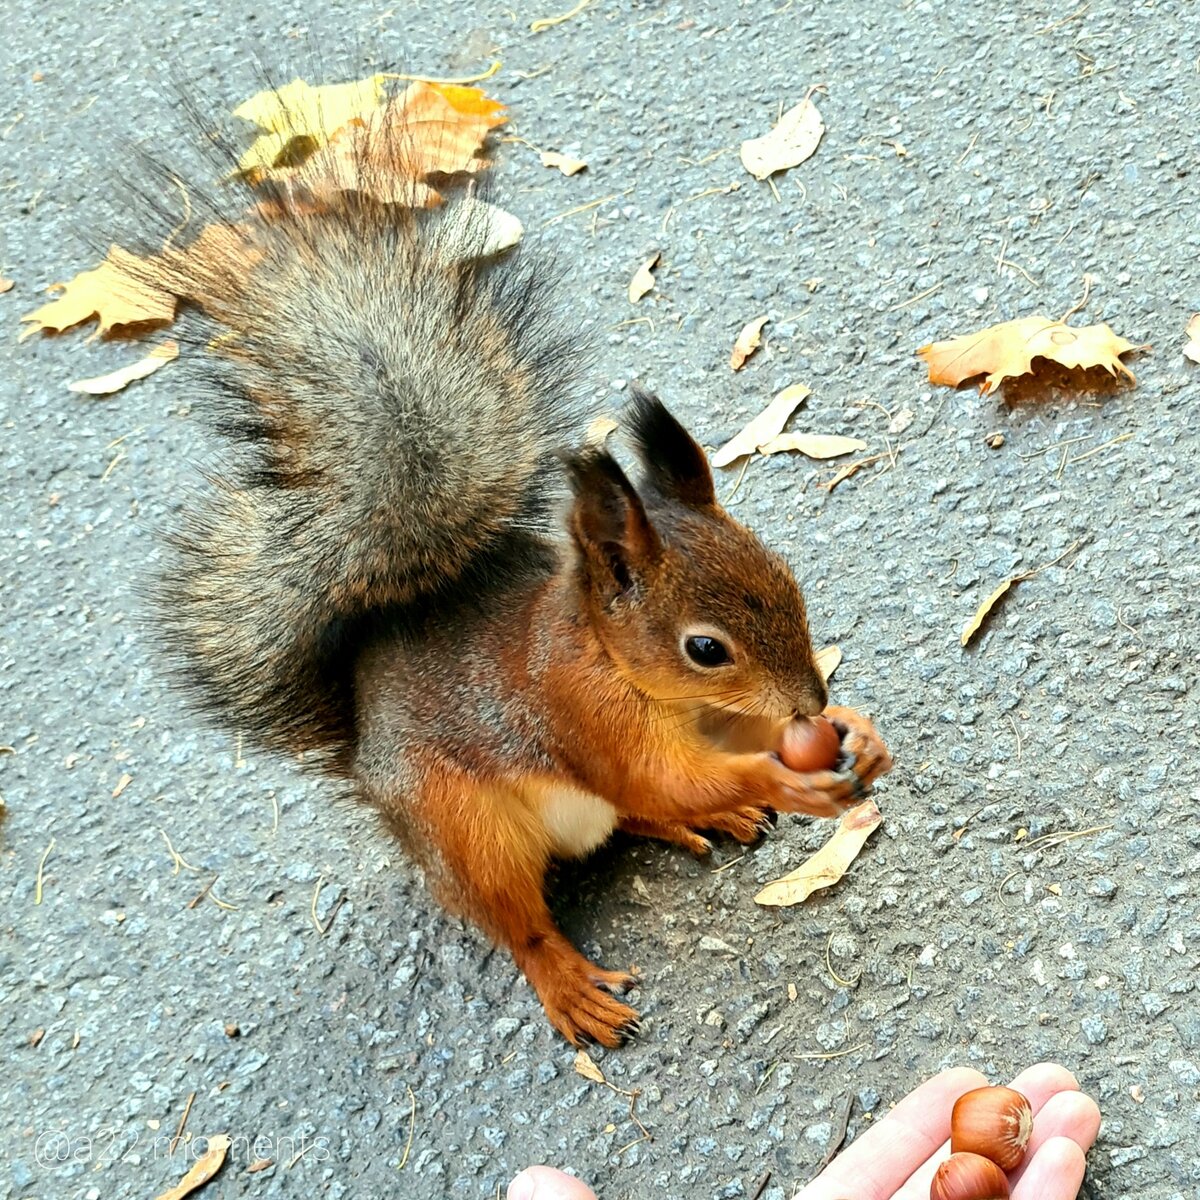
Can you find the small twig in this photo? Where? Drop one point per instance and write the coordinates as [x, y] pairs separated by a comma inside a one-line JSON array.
[[412, 1124], [733, 863], [1088, 280], [187, 1108], [544, 23], [839, 1133], [1047, 840], [761, 1185], [323, 929], [741, 476], [452, 82], [37, 892], [1096, 449], [913, 299], [178, 858], [815, 1057], [846, 983], [1016, 734]]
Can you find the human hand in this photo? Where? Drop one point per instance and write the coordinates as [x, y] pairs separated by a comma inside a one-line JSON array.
[[897, 1158]]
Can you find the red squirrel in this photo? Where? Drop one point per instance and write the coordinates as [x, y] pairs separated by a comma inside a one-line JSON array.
[[414, 569]]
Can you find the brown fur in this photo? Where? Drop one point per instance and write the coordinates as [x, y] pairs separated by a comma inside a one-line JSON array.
[[398, 571]]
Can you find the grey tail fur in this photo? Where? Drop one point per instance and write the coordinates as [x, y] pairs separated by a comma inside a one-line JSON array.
[[394, 396]]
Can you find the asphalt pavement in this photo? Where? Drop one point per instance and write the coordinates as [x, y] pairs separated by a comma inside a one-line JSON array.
[[192, 928]]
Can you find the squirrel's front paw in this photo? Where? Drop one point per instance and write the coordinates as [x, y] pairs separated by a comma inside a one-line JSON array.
[[862, 748], [818, 793]]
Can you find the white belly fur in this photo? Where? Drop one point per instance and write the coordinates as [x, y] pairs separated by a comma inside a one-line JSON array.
[[577, 821]]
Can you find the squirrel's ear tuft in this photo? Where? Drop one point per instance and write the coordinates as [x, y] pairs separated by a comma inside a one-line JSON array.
[[676, 466], [609, 523]]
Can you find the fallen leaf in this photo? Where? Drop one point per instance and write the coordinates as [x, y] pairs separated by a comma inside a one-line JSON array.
[[105, 385], [792, 140], [986, 607], [815, 445], [388, 153], [901, 421], [203, 1169], [827, 865], [564, 162], [828, 660], [598, 431], [1192, 349], [587, 1068], [297, 119], [1008, 349], [6, 285], [259, 1164], [117, 292], [643, 280], [747, 342], [768, 424]]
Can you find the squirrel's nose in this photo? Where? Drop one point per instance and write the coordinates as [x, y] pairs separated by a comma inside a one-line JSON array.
[[813, 699]]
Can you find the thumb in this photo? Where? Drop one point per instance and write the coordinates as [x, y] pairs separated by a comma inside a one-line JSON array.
[[545, 1183]]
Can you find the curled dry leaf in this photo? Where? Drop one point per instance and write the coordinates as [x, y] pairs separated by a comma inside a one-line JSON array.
[[981, 613], [116, 291], [1008, 349], [1192, 349], [105, 385], [643, 279], [827, 865], [587, 1068], [203, 1169], [828, 661], [747, 342], [792, 140], [768, 424], [563, 162], [5, 285], [815, 445]]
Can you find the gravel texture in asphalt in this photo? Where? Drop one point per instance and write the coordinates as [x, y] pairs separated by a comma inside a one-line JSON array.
[[1031, 893]]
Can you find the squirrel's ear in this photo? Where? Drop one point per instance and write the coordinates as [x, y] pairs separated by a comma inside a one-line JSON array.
[[676, 466], [609, 522]]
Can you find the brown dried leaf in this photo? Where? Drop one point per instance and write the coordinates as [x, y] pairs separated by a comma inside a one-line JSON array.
[[587, 1068], [564, 162], [828, 660], [1192, 349], [643, 279], [105, 385], [986, 607], [203, 1169], [116, 291], [827, 865], [815, 445], [768, 424], [1008, 349], [792, 140], [747, 342]]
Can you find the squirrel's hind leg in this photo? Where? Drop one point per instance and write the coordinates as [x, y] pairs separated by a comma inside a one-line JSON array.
[[487, 850]]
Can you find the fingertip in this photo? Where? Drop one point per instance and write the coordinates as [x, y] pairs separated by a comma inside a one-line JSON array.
[[545, 1183], [1043, 1080], [1055, 1172]]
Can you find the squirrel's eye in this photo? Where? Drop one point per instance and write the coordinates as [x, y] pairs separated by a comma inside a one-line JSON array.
[[706, 652]]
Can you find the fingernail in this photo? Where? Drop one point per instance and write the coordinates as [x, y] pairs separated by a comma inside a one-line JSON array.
[[521, 1187]]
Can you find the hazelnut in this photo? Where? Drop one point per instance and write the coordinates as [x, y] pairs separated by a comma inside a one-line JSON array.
[[812, 744], [993, 1121], [969, 1177]]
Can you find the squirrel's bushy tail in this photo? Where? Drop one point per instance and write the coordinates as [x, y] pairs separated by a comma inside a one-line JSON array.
[[395, 396]]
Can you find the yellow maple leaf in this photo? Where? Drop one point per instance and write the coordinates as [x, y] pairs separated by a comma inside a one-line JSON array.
[[298, 119], [119, 292], [388, 153], [1008, 349]]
